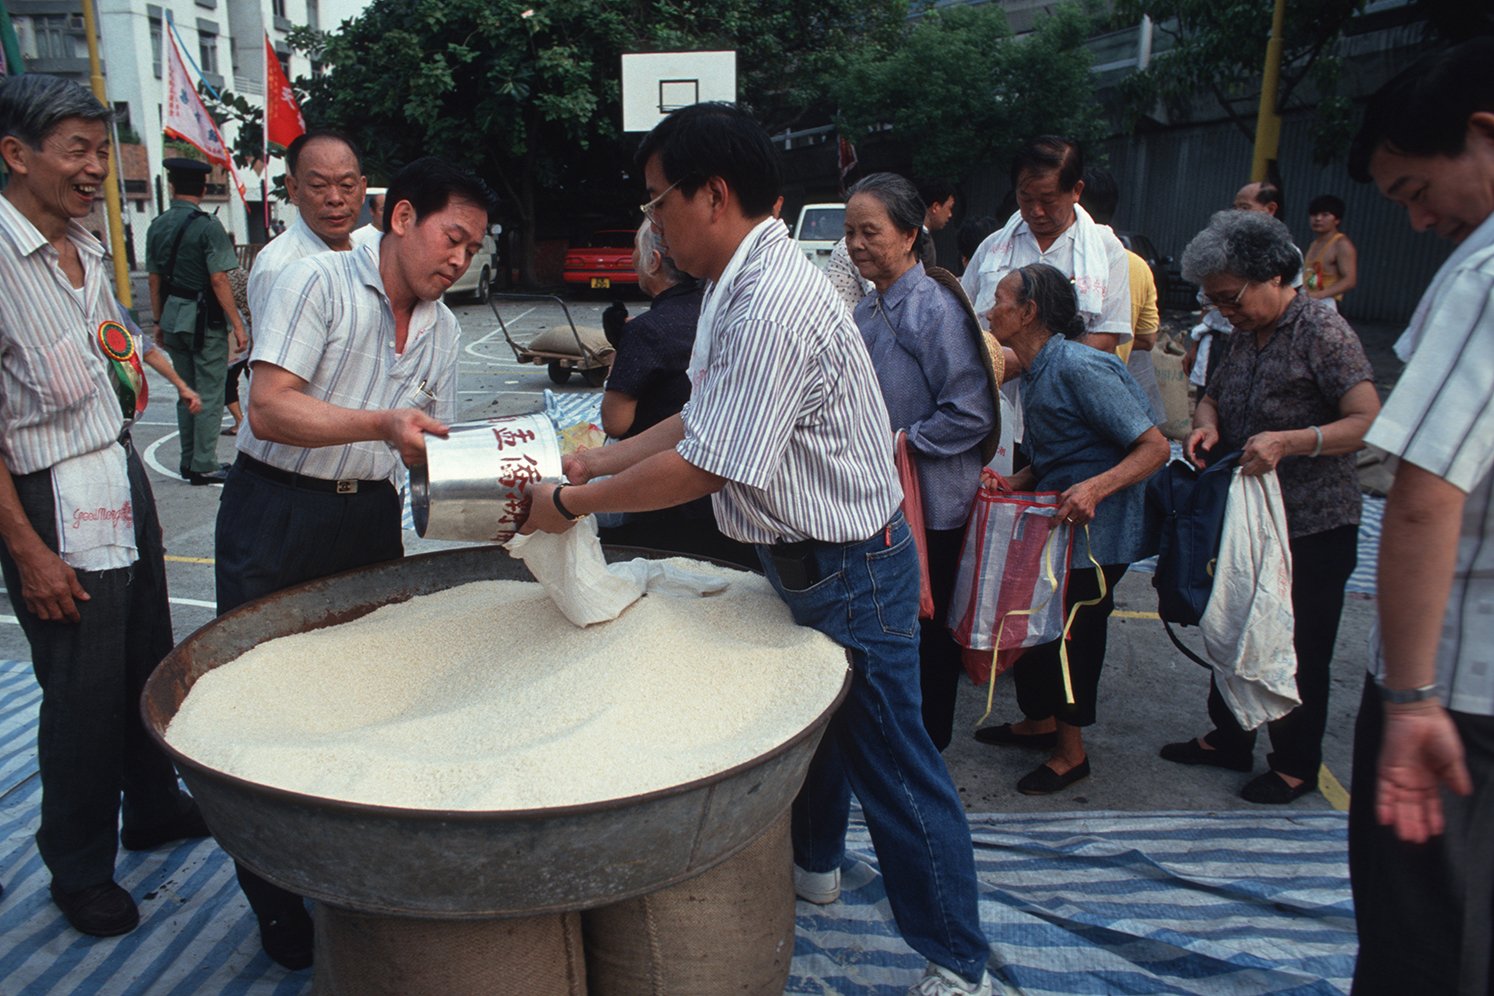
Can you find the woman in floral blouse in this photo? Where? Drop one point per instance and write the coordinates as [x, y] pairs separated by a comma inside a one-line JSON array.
[[1293, 390]]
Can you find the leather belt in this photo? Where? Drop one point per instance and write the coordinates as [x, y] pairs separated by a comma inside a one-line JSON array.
[[344, 486]]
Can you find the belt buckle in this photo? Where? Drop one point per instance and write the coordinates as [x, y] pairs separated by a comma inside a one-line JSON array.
[[347, 486]]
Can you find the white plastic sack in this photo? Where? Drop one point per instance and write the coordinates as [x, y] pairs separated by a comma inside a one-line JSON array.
[[1006, 448], [1247, 626], [586, 589]]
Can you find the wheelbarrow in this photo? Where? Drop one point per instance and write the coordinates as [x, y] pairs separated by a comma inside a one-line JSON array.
[[580, 348]]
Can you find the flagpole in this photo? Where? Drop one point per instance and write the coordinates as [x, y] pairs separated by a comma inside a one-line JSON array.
[[111, 191], [264, 137]]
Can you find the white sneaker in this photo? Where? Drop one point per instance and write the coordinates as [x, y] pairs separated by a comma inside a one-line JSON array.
[[820, 888], [939, 981]]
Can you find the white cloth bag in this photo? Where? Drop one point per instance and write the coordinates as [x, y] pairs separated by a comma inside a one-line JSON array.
[[587, 589], [1248, 624]]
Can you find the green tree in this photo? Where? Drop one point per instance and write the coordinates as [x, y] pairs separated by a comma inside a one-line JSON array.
[[1215, 50], [959, 90], [528, 96]]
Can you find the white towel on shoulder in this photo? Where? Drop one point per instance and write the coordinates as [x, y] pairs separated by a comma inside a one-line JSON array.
[[1091, 260]]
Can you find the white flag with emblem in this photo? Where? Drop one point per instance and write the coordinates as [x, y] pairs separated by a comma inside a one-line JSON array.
[[188, 120]]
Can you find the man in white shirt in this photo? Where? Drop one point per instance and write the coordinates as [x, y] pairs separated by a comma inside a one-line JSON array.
[[1422, 809], [787, 429], [354, 363], [324, 179], [372, 231], [82, 555]]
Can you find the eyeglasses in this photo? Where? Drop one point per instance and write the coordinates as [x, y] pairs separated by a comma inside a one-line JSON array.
[[653, 205], [1232, 303]]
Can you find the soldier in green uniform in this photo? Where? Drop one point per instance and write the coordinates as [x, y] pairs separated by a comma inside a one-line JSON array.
[[189, 255]]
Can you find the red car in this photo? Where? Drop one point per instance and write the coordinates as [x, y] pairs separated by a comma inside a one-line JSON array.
[[606, 259]]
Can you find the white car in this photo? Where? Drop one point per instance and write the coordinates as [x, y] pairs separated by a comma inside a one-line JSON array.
[[820, 227]]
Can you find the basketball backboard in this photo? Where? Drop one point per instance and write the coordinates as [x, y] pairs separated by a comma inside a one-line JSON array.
[[655, 83]]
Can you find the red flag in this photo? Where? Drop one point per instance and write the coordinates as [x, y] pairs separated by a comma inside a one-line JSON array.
[[283, 120]]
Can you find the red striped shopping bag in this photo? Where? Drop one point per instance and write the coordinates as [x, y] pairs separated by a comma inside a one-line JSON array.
[[1009, 592]]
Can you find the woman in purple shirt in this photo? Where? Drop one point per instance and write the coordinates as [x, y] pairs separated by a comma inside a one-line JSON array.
[[923, 345]]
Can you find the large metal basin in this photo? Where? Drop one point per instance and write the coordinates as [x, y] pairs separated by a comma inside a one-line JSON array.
[[458, 864]]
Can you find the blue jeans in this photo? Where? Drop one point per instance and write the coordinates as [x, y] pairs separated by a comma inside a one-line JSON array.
[[866, 599]]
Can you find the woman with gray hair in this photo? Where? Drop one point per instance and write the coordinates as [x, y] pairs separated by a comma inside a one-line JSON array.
[[1090, 438], [1293, 390], [925, 346]]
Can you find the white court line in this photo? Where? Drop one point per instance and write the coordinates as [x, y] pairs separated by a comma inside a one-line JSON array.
[[196, 603], [468, 349]]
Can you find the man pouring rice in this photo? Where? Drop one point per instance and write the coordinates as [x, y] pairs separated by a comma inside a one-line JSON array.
[[787, 429]]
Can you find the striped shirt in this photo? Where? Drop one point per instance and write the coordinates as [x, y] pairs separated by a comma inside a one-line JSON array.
[[1440, 418], [56, 397], [789, 411], [296, 242], [329, 322]]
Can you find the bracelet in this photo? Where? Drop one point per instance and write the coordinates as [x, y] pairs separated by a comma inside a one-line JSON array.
[[1317, 448], [1405, 696], [565, 512]]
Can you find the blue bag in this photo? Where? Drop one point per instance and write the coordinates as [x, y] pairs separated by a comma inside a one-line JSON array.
[[1190, 504]]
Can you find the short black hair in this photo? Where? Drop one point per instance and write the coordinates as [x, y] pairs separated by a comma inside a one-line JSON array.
[[973, 231], [35, 103], [1047, 153], [933, 190], [1101, 195], [1424, 110], [1326, 202], [187, 184], [1270, 193], [698, 142], [429, 184], [293, 151]]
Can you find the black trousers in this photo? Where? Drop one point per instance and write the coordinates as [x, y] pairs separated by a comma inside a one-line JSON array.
[[92, 747], [1321, 565], [1038, 674], [938, 653], [1425, 911], [271, 536]]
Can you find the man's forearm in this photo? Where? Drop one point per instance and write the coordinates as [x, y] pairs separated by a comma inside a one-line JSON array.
[[1418, 552], [662, 480], [658, 438], [223, 291], [16, 531], [294, 419]]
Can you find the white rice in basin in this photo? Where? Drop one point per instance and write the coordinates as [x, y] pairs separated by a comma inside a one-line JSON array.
[[483, 697]]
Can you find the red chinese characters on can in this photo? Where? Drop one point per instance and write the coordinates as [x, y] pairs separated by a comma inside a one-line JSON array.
[[508, 437]]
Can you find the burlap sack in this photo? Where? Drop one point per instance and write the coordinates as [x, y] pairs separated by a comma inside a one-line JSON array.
[[1167, 361], [358, 955], [730, 930], [559, 339]]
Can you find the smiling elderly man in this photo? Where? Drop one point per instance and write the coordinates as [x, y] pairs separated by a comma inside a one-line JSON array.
[[89, 590], [354, 362], [324, 180]]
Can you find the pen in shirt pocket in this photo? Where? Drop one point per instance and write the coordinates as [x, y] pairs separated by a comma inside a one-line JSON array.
[[422, 396]]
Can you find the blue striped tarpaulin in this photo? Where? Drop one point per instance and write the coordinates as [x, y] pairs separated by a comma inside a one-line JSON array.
[[1232, 903]]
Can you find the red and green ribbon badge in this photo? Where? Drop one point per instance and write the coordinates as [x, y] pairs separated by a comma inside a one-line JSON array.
[[124, 362]]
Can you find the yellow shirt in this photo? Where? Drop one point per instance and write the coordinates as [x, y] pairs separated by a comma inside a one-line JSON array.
[[1144, 316]]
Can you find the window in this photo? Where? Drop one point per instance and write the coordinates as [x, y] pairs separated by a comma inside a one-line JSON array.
[[277, 7], [313, 14], [155, 44], [53, 40], [207, 52]]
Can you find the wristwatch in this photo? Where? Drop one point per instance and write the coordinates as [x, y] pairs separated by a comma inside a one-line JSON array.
[[1405, 696], [565, 512]]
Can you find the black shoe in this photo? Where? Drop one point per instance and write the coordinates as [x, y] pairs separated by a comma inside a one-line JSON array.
[[211, 477], [288, 938], [188, 825], [1270, 790], [1004, 736], [1189, 752], [1043, 780], [103, 910]]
